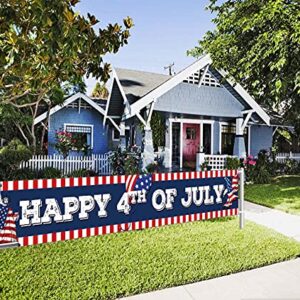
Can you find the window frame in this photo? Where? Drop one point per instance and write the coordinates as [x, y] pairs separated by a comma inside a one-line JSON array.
[[113, 135], [82, 125], [220, 136]]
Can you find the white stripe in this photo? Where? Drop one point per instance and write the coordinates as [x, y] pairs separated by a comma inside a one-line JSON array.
[[49, 183], [10, 185], [92, 180], [67, 182], [92, 231], [76, 181], [67, 235]]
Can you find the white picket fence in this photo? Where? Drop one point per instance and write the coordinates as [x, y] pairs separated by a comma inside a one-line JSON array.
[[99, 163], [282, 157], [217, 162]]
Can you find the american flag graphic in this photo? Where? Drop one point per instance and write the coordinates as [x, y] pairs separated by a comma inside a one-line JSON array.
[[7, 224], [138, 182], [231, 190]]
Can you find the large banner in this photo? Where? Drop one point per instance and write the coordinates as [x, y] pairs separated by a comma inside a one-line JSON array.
[[49, 210]]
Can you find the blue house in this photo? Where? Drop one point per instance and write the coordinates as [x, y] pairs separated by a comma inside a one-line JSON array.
[[201, 109], [84, 117]]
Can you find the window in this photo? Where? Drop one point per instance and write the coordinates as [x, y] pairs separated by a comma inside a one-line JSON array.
[[228, 136], [115, 135], [83, 134], [190, 133], [207, 138]]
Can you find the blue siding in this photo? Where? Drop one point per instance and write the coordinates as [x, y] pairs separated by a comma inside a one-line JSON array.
[[216, 137], [205, 101], [261, 138], [86, 116]]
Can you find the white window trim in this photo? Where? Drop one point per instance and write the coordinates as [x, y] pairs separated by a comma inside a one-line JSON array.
[[220, 136], [113, 136], [83, 125], [189, 121]]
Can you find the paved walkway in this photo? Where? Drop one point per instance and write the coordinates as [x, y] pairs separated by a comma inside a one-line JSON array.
[[278, 281], [282, 222]]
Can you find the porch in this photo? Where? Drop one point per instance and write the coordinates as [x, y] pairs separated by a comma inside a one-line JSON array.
[[218, 139]]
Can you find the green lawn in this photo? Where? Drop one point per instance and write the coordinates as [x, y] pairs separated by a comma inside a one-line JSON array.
[[282, 193], [134, 262]]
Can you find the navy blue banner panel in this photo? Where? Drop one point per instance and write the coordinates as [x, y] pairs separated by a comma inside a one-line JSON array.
[[48, 210]]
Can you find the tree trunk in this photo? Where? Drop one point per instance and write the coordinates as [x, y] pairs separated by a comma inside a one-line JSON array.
[[46, 126]]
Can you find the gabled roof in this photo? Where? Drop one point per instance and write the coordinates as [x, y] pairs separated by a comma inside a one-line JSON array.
[[68, 101], [136, 84], [149, 95]]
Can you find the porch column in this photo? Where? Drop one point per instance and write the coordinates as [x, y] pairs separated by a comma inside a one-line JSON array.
[[168, 145], [239, 148], [122, 136], [148, 153]]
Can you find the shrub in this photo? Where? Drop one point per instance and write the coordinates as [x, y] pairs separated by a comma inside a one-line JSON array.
[[10, 158], [23, 174], [291, 166], [49, 173], [126, 161], [261, 172], [249, 164], [152, 168], [82, 173], [232, 163]]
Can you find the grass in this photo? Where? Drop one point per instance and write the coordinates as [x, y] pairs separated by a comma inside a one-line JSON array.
[[282, 193], [118, 265]]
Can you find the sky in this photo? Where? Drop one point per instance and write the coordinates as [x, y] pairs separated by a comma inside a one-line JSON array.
[[163, 31]]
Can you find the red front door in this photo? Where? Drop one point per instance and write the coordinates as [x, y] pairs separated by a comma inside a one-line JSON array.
[[191, 141]]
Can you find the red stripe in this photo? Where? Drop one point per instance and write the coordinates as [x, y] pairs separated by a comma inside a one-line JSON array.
[[44, 238], [35, 240], [53, 237], [35, 183], [133, 225], [111, 228], [71, 182], [63, 182], [104, 230], [71, 234], [79, 233], [80, 181], [45, 183], [16, 186], [4, 186], [96, 230], [53, 183], [88, 232]]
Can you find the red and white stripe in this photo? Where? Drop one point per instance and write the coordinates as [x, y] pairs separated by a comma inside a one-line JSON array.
[[102, 180], [138, 225], [233, 194], [8, 232], [130, 181]]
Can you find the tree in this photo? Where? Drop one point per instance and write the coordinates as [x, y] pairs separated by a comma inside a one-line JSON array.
[[100, 91], [45, 50], [257, 43]]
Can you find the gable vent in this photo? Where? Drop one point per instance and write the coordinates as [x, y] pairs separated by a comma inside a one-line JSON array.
[[208, 80]]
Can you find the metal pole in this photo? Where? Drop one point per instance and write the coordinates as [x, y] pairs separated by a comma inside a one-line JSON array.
[[241, 197]]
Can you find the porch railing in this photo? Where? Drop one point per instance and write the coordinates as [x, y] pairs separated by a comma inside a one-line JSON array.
[[282, 157], [98, 163], [217, 162]]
